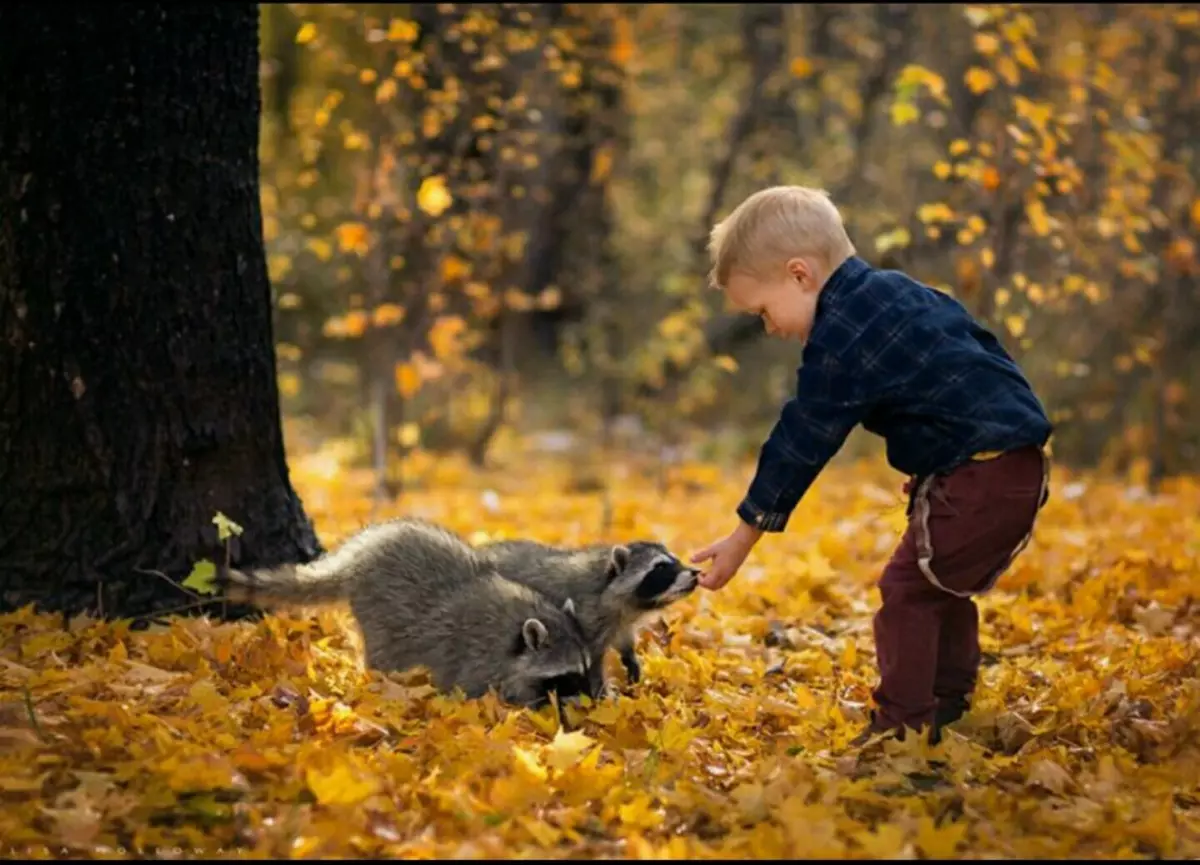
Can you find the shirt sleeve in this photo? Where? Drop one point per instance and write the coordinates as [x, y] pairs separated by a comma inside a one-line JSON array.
[[811, 428]]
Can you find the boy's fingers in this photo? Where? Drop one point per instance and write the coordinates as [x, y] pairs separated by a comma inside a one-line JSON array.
[[702, 556], [714, 579]]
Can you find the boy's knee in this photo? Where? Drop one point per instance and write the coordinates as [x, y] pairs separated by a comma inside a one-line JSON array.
[[907, 588]]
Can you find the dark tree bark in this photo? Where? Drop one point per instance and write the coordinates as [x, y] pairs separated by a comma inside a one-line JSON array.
[[137, 379]]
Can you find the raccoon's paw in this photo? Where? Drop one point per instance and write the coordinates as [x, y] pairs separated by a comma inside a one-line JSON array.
[[633, 667]]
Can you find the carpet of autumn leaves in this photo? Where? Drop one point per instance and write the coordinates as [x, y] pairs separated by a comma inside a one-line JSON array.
[[269, 738]]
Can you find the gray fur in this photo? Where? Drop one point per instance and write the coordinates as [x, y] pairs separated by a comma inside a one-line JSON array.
[[603, 580], [423, 596]]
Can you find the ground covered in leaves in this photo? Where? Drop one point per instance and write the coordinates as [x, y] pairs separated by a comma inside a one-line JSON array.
[[269, 739]]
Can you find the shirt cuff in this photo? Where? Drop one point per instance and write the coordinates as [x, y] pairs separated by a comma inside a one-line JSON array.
[[764, 521]]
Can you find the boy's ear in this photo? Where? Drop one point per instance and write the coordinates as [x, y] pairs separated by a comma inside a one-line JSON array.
[[800, 269], [806, 273]]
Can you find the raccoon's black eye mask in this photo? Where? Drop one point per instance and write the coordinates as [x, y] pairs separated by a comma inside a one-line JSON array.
[[565, 686], [659, 580]]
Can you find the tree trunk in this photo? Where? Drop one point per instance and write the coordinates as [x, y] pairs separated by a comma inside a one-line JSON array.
[[137, 380]]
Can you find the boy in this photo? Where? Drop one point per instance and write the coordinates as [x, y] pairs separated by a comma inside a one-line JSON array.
[[911, 365]]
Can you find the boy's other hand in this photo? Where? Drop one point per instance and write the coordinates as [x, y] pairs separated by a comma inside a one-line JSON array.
[[726, 556]]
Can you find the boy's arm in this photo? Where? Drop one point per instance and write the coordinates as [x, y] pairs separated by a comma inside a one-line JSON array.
[[811, 428]]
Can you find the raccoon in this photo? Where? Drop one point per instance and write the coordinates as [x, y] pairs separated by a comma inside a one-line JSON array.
[[423, 596], [615, 587]]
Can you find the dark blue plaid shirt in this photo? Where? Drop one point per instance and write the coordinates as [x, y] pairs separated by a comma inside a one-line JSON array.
[[912, 366]]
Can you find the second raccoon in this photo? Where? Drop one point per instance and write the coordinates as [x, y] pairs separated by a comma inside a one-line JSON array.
[[614, 587]]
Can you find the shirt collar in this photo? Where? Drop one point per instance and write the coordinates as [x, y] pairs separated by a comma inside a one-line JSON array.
[[849, 274]]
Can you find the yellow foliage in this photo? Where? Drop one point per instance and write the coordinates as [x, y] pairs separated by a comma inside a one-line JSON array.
[[674, 326], [354, 323], [602, 165], [801, 67], [518, 300], [455, 268], [409, 435], [1008, 70], [306, 33], [408, 380], [322, 249], [445, 334], [387, 314], [431, 122], [914, 74], [904, 113], [270, 739], [938, 212], [352, 237], [898, 238], [987, 44], [622, 50], [386, 91], [1038, 218], [400, 30], [278, 266], [433, 197], [337, 780], [978, 15], [289, 384], [1025, 57], [979, 80]]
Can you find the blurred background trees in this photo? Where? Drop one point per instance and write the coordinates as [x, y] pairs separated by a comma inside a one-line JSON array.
[[483, 219]]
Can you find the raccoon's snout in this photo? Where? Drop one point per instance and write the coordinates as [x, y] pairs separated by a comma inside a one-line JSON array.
[[689, 579]]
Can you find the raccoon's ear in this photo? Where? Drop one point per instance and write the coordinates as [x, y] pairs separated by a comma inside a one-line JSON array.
[[618, 558], [535, 634], [569, 607]]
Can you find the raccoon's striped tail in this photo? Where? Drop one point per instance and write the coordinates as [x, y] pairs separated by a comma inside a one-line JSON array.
[[300, 585]]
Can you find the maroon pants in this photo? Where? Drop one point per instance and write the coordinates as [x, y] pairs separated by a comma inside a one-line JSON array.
[[964, 530]]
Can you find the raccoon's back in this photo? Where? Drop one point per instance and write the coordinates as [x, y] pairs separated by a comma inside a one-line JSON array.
[[560, 572], [398, 563], [465, 637], [411, 563]]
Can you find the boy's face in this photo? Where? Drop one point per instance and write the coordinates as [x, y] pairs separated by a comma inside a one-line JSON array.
[[786, 302]]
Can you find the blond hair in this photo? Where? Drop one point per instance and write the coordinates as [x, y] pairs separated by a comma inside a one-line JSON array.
[[776, 224]]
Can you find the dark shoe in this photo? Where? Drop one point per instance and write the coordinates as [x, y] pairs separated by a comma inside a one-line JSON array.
[[948, 711], [873, 729]]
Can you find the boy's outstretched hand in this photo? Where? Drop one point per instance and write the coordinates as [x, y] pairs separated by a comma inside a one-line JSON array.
[[726, 555]]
